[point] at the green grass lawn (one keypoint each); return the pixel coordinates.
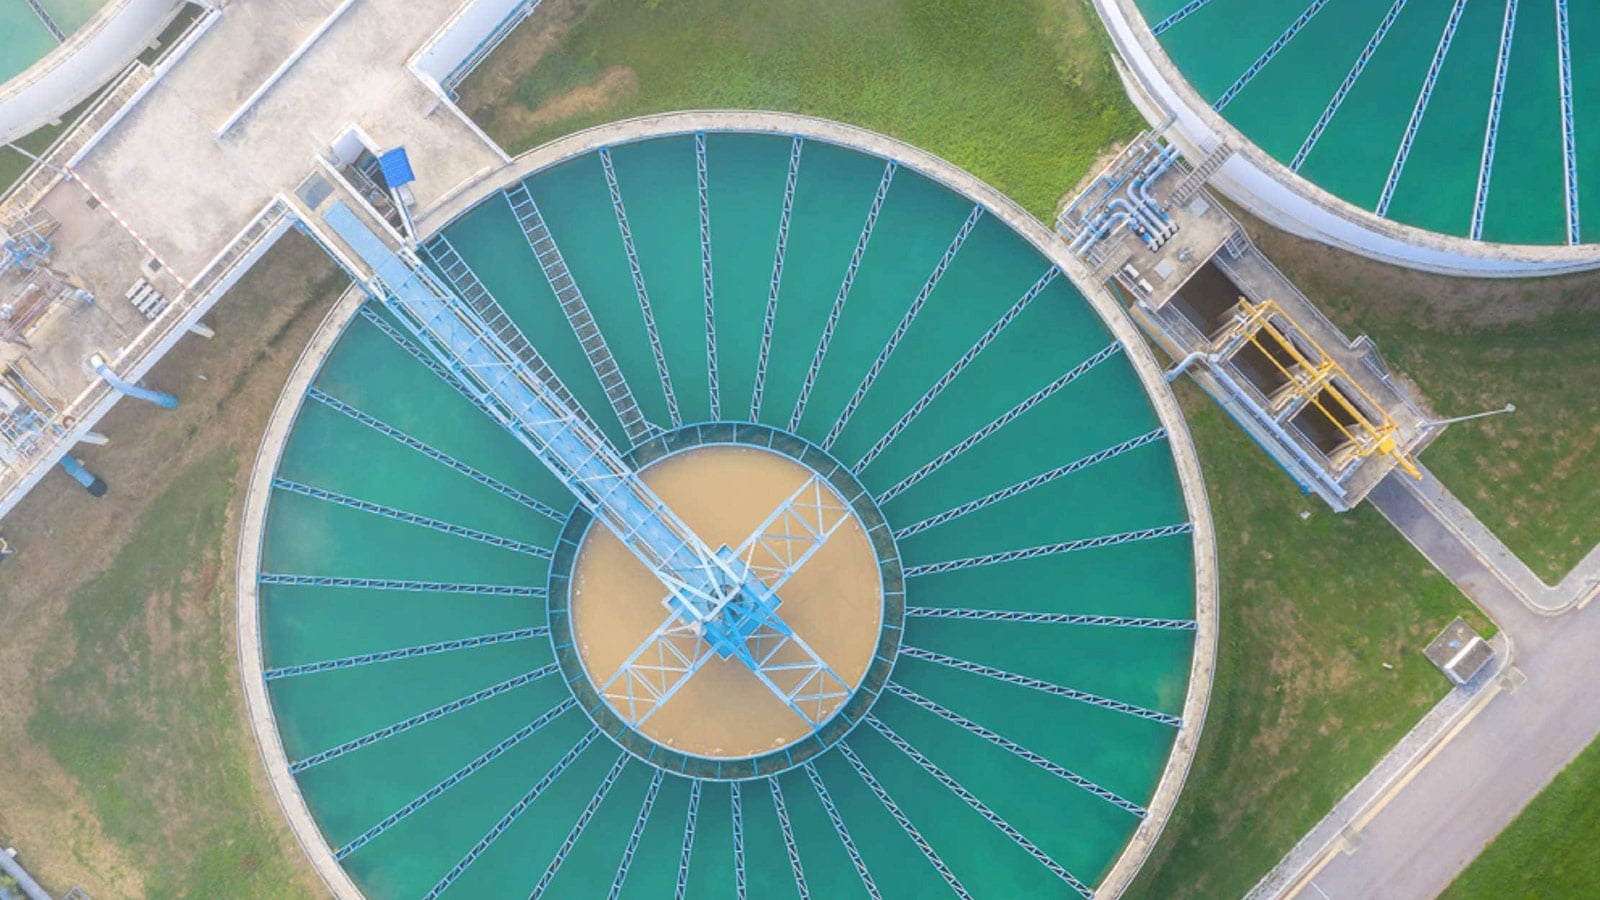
(1549, 849)
(1315, 612)
(1021, 93)
(1474, 345)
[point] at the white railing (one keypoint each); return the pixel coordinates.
(147, 348)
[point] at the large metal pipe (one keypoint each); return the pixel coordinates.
(1140, 188)
(30, 888)
(159, 398)
(88, 479)
(1143, 227)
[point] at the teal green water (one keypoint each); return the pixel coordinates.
(1138, 489)
(1352, 159)
(24, 39)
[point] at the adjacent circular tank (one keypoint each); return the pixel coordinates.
(1466, 131)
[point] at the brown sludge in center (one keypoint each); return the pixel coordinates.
(834, 602)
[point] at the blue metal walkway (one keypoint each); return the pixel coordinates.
(720, 603)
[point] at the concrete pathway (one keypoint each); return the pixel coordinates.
(1488, 749)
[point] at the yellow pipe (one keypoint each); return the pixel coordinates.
(1378, 438)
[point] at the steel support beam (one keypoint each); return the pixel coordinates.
(1028, 484)
(512, 814)
(837, 310)
(876, 369)
(1002, 421)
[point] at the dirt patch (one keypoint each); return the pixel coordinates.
(612, 86)
(128, 767)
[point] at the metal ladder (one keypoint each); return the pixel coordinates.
(1196, 179)
(578, 316)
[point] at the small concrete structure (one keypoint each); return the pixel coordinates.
(1326, 407)
(1459, 652)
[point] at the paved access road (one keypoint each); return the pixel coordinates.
(1544, 713)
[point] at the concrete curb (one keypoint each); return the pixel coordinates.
(252, 524)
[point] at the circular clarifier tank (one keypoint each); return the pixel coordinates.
(1478, 119)
(1013, 590)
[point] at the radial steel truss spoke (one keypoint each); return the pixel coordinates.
(950, 375)
(628, 852)
(1029, 484)
(400, 515)
(438, 456)
(512, 814)
(576, 309)
(577, 827)
(900, 330)
(843, 832)
(365, 659)
(1107, 540)
(417, 353)
(639, 290)
(1267, 55)
(1491, 133)
(1428, 84)
(737, 809)
(1349, 82)
(837, 310)
(438, 712)
(769, 321)
(789, 843)
(1017, 750)
(690, 819)
(1184, 12)
(703, 183)
(905, 822)
(1005, 419)
(980, 807)
(1037, 684)
(1569, 136)
(460, 775)
(398, 584)
(1038, 618)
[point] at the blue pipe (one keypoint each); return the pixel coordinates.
(1144, 228)
(1141, 185)
(159, 398)
(88, 479)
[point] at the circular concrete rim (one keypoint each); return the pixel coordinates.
(1453, 255)
(458, 201)
(838, 725)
